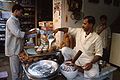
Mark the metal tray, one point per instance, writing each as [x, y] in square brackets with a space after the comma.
[43, 69]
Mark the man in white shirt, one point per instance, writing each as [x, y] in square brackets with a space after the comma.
[104, 31]
[89, 43]
[14, 39]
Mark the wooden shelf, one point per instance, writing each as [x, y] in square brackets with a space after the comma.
[27, 23]
[30, 6]
[28, 19]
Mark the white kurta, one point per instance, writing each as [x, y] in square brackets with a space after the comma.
[13, 44]
[14, 37]
[90, 46]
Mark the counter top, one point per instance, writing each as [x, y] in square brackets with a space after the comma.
[105, 71]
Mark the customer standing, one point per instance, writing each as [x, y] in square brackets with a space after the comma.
[104, 31]
[14, 39]
[89, 43]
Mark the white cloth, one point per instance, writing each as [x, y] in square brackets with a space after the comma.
[14, 37]
[14, 66]
[90, 46]
[105, 35]
[13, 44]
[92, 73]
[68, 53]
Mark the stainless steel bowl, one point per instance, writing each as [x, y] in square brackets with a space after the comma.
[43, 69]
[68, 71]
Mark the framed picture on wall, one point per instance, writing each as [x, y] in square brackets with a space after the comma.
[93, 1]
[116, 3]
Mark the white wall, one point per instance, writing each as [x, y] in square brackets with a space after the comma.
[95, 10]
[115, 49]
[64, 19]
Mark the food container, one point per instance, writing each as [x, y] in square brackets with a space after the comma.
[69, 71]
[43, 69]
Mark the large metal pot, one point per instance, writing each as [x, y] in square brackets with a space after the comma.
[43, 69]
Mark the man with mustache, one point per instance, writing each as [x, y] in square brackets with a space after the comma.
[87, 41]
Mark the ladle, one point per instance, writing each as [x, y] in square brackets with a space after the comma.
[76, 56]
[51, 38]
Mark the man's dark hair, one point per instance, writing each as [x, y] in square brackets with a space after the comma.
[17, 7]
[91, 19]
[103, 17]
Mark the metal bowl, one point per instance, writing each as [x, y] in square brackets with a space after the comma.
[68, 71]
[43, 69]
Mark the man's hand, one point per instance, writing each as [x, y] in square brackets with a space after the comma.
[65, 30]
[55, 31]
[87, 66]
[32, 31]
